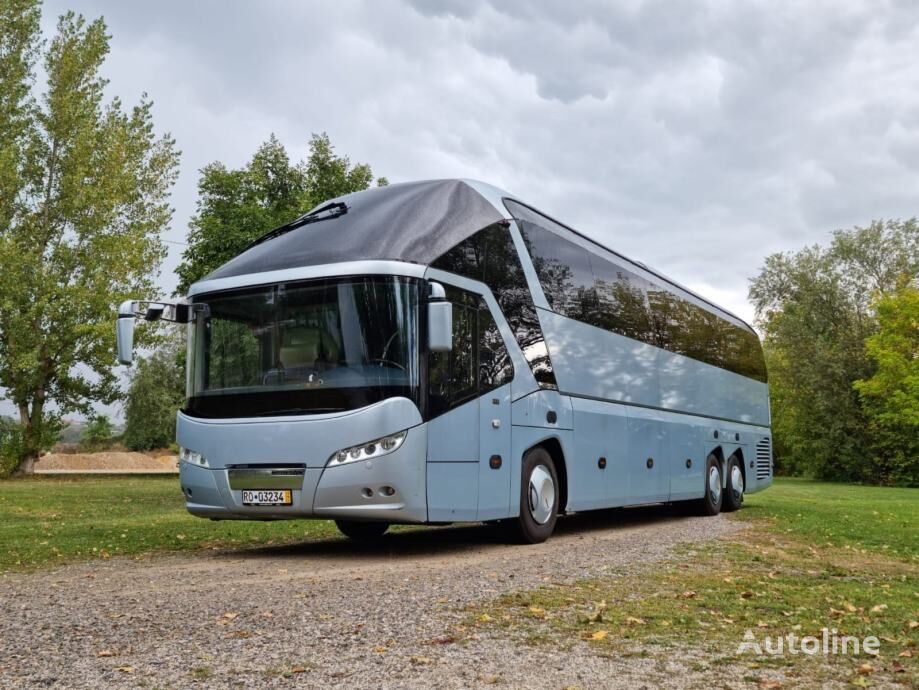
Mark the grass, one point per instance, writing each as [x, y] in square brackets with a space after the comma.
[862, 518]
[817, 556]
[53, 520]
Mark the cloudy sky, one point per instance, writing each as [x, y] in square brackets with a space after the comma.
[696, 137]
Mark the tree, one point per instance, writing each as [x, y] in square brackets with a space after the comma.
[236, 207]
[891, 395]
[98, 434]
[816, 309]
[83, 200]
[156, 392]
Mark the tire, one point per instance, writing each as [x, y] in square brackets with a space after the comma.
[539, 498]
[733, 494]
[362, 531]
[710, 504]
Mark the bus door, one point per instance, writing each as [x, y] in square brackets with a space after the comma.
[469, 401]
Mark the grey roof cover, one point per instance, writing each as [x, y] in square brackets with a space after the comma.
[412, 221]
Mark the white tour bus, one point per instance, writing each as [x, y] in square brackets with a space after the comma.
[440, 351]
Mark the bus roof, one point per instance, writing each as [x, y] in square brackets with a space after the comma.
[414, 222]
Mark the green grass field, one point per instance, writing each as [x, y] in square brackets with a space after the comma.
[52, 520]
[866, 518]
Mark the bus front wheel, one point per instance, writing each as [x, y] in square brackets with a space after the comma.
[362, 531]
[539, 497]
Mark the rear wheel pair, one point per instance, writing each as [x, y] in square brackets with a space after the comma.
[719, 496]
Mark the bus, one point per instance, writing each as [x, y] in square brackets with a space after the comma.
[441, 351]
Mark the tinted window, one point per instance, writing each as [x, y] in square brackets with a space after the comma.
[609, 295]
[622, 298]
[490, 257]
[563, 269]
[479, 361]
[495, 367]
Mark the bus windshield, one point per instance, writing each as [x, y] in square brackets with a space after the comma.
[304, 348]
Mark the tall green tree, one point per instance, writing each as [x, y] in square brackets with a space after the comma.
[236, 207]
[816, 309]
[156, 392]
[891, 395]
[83, 199]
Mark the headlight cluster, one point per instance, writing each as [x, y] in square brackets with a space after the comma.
[192, 457]
[368, 451]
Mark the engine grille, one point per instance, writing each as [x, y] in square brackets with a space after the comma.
[764, 458]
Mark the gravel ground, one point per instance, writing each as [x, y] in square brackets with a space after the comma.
[335, 613]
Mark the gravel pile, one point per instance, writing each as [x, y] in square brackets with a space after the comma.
[330, 614]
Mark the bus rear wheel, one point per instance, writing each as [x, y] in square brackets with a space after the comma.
[362, 531]
[539, 497]
[733, 494]
[710, 503]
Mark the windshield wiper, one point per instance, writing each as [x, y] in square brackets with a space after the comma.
[335, 209]
[300, 410]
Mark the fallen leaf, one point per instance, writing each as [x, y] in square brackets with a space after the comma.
[906, 653]
[851, 608]
[878, 608]
[769, 684]
[298, 669]
[125, 669]
[688, 594]
[598, 635]
[865, 669]
[746, 594]
[485, 618]
[421, 660]
[381, 649]
[444, 639]
[913, 624]
[537, 612]
[239, 634]
[631, 620]
[105, 652]
[227, 618]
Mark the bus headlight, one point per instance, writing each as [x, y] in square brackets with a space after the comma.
[192, 457]
[369, 450]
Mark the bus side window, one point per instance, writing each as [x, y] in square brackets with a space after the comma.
[452, 375]
[479, 361]
[495, 367]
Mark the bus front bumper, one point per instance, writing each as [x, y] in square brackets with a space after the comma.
[389, 488]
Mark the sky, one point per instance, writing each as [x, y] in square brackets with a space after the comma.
[695, 137]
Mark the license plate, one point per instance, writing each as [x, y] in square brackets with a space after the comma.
[267, 497]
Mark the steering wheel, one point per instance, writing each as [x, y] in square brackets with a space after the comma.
[382, 361]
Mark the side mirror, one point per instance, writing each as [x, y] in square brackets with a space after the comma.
[440, 320]
[124, 332]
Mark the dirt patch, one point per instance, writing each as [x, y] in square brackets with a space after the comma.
[108, 462]
[335, 614]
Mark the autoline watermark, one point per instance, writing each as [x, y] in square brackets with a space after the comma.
[828, 642]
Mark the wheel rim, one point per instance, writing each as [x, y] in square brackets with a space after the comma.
[542, 494]
[737, 480]
[714, 484]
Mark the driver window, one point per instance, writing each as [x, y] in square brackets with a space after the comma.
[479, 361]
